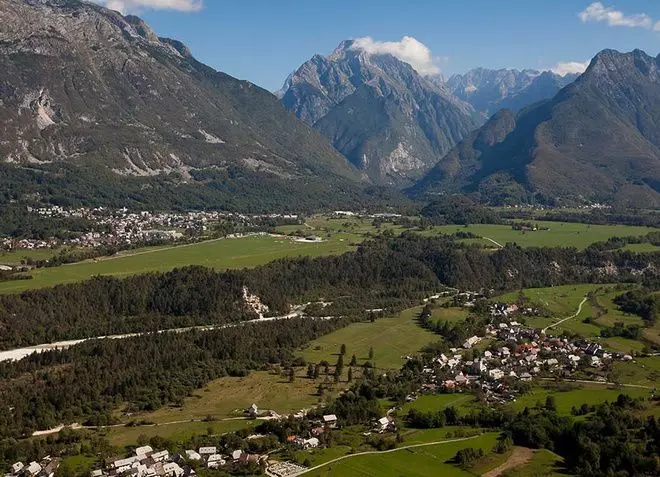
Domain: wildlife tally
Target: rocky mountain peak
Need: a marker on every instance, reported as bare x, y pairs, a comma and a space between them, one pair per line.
386, 118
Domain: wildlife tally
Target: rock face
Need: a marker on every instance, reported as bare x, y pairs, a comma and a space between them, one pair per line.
387, 119
491, 90
92, 93
597, 140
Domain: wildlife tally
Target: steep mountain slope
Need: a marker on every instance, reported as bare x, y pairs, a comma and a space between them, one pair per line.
490, 90
378, 111
597, 140
89, 95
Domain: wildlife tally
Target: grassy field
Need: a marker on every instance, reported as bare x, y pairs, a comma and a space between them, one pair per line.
563, 301
424, 461
219, 254
543, 464
177, 432
561, 234
436, 402
587, 393
218, 405
392, 338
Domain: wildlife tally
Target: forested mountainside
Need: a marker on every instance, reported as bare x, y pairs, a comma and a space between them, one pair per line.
386, 118
97, 109
597, 140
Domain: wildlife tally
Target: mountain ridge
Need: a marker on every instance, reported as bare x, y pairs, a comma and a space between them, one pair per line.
597, 140
386, 118
85, 87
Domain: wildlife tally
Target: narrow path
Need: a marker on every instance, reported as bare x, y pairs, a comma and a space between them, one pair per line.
412, 446
519, 456
491, 240
579, 310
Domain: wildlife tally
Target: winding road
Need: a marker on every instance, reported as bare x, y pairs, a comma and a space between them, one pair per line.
579, 310
412, 446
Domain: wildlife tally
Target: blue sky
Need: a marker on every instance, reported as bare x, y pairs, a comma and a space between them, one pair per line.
264, 40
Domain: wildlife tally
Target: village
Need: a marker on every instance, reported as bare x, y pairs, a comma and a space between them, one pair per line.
523, 354
122, 227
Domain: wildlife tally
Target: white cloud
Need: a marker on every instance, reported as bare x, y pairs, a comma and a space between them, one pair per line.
131, 6
570, 67
413, 52
597, 12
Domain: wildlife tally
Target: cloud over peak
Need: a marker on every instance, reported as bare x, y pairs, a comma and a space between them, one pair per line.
570, 67
132, 6
408, 49
597, 12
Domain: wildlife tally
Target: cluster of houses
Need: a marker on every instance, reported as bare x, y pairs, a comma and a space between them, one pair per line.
523, 353
124, 227
149, 463
46, 467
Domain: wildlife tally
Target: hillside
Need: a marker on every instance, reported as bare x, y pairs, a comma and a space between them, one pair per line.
597, 140
97, 109
386, 118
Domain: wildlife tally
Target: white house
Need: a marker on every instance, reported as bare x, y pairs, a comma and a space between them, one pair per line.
192, 455
496, 373
470, 342
17, 467
144, 450
236, 454
311, 443
215, 460
330, 420
33, 468
160, 456
208, 450
172, 468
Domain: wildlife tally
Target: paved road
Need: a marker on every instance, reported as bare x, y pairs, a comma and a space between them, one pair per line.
412, 446
579, 310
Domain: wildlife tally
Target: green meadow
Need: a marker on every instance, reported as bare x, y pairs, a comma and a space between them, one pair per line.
392, 338
219, 254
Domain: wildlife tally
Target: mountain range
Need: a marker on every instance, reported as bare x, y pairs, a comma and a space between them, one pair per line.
95, 107
98, 110
596, 140
386, 118
489, 90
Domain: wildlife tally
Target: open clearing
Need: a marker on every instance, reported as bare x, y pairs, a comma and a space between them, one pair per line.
219, 254
392, 339
519, 456
426, 461
219, 406
561, 234
542, 464
565, 400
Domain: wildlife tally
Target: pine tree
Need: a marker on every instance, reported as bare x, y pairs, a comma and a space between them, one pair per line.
350, 374
371, 353
292, 375
342, 350
310, 371
353, 361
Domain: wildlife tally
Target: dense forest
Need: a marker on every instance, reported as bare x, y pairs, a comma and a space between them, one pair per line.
87, 381
391, 272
